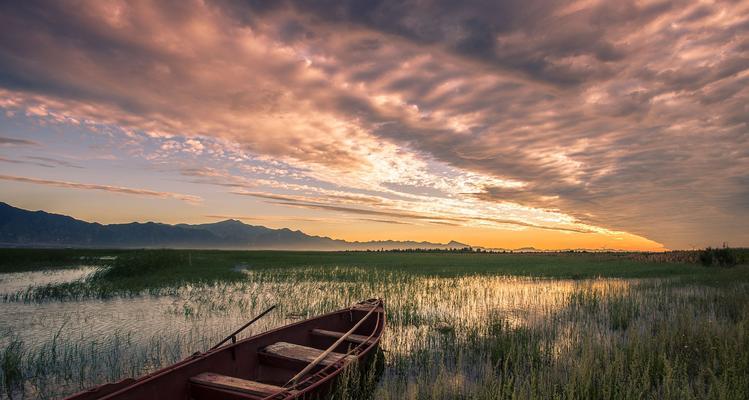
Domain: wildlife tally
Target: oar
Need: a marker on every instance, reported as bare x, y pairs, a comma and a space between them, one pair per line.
233, 336
330, 349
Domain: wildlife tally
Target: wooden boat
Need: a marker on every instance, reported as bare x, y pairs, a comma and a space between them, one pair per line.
301, 360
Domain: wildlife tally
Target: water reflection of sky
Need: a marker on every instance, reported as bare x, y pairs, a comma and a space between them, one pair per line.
417, 308
15, 281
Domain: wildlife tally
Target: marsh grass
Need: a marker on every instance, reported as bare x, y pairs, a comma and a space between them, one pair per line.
16, 260
127, 273
449, 335
622, 311
135, 270
359, 381
11, 361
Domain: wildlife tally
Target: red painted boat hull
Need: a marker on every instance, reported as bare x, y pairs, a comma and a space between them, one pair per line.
248, 360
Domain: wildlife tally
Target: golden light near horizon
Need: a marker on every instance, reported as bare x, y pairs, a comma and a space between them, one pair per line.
491, 126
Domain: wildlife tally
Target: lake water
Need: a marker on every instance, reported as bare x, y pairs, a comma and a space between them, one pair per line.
15, 281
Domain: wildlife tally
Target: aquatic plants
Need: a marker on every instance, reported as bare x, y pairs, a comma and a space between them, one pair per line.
127, 273
466, 336
11, 364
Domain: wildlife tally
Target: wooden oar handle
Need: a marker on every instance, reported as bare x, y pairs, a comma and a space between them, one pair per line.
233, 336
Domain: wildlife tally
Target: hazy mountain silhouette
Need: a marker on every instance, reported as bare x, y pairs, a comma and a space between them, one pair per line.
19, 227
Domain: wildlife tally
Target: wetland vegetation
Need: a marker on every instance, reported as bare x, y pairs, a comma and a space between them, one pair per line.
460, 325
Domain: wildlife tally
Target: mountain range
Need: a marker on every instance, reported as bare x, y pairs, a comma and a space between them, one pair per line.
24, 228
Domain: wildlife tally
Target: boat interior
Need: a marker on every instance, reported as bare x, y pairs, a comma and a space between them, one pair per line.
261, 366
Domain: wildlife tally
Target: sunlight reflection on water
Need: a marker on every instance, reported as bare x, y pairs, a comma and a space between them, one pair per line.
15, 281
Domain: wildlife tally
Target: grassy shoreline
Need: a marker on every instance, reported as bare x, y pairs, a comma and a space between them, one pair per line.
127, 273
555, 265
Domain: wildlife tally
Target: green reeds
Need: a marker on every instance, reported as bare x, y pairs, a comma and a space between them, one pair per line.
11, 358
460, 336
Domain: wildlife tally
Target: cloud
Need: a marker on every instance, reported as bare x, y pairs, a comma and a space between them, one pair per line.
274, 218
429, 218
7, 141
10, 160
107, 188
53, 162
384, 221
311, 203
351, 210
622, 116
443, 223
552, 228
212, 176
436, 218
41, 161
271, 196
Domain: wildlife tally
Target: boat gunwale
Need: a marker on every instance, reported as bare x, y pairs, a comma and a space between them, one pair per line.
342, 363
199, 356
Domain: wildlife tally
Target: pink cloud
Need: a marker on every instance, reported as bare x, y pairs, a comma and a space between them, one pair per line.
107, 188
617, 115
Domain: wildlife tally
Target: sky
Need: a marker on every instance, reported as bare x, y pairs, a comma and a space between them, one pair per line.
552, 124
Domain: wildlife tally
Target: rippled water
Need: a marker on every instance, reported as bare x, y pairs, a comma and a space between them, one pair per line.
15, 281
186, 314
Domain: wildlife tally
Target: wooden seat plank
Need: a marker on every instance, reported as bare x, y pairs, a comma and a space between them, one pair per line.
302, 353
236, 384
358, 339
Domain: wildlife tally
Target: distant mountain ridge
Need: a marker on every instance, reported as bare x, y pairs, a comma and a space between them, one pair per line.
19, 227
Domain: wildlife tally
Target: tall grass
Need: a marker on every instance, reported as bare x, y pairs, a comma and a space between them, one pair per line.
212, 264
159, 272
15, 260
11, 359
457, 336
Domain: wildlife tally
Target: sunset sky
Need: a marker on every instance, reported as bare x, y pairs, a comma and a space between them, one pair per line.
552, 124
